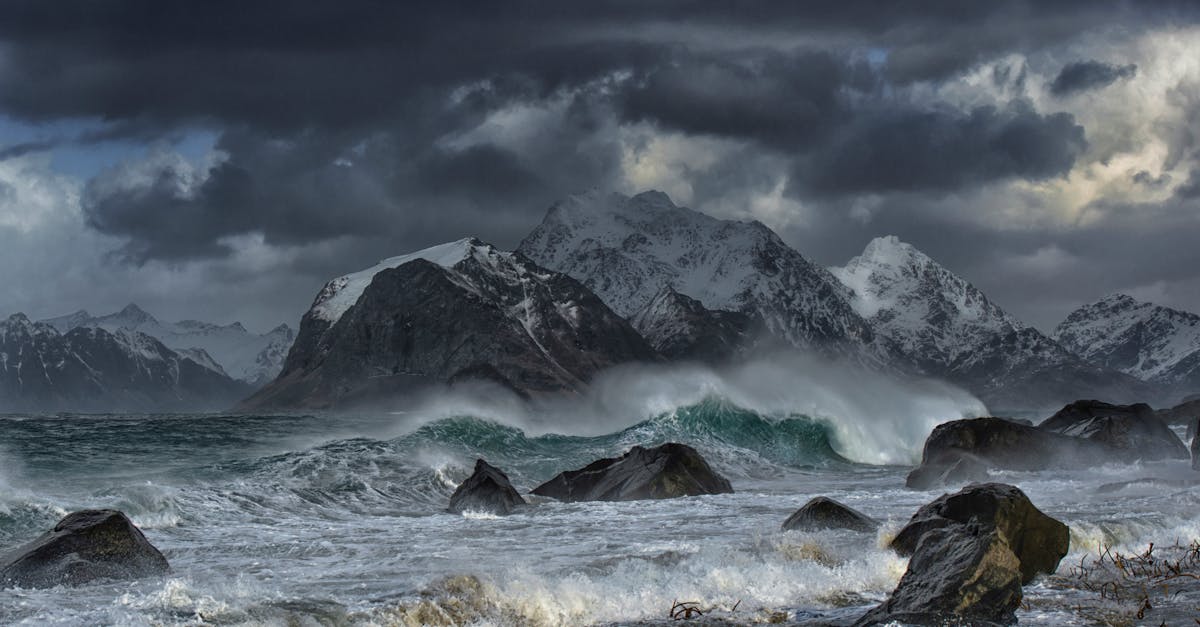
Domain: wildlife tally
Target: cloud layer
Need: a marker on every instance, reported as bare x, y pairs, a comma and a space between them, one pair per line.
1021, 143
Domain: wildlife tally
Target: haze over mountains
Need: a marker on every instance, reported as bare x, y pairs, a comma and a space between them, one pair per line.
607, 279
249, 357
93, 369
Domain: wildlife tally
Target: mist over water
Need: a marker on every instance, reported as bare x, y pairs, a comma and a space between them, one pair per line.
340, 520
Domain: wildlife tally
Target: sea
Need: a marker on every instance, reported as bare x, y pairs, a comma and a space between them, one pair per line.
322, 519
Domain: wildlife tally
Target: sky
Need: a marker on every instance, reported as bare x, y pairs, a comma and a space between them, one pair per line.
222, 160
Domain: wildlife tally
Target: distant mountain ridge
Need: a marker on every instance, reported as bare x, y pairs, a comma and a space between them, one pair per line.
951, 330
249, 357
1148, 341
92, 369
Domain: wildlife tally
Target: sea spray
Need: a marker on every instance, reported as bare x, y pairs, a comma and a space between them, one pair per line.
875, 419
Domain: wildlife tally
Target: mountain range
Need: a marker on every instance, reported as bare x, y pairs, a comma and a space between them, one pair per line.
607, 279
93, 369
230, 349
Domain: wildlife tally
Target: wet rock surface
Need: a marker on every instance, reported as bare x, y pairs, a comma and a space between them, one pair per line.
84, 546
667, 471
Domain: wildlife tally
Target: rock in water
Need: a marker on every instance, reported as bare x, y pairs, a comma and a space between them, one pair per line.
961, 451
486, 490
83, 547
1195, 449
955, 578
826, 513
971, 552
664, 472
1037, 540
1133, 431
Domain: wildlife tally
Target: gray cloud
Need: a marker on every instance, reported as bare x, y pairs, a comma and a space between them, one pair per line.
384, 127
1088, 75
899, 150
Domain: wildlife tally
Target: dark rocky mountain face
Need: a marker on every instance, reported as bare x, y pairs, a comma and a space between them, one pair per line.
680, 328
91, 369
485, 315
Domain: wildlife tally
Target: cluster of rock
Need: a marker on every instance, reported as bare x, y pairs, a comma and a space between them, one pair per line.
668, 471
1082, 434
970, 552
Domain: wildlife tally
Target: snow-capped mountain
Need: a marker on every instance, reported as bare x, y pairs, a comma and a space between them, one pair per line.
92, 369
628, 249
950, 329
1151, 342
249, 357
462, 310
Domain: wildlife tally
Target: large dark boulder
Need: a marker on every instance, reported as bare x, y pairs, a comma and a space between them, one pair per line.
826, 513
971, 553
1037, 540
663, 472
962, 451
1133, 432
955, 578
486, 490
84, 546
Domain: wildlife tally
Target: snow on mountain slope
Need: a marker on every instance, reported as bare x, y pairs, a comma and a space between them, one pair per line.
928, 310
950, 329
627, 249
1148, 341
243, 355
341, 293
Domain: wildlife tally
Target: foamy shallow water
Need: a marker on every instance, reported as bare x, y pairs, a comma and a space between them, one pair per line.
305, 520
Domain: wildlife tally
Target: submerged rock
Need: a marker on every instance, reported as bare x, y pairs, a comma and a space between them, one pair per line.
826, 513
663, 472
971, 553
84, 546
962, 451
1132, 431
486, 490
1037, 540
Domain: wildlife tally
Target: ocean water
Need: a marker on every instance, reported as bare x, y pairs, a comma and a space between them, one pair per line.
317, 520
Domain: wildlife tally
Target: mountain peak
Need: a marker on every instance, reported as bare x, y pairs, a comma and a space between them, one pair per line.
132, 314
892, 251
341, 293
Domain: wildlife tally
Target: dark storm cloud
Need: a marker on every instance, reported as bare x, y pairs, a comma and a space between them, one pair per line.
898, 150
339, 122
776, 99
1087, 75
